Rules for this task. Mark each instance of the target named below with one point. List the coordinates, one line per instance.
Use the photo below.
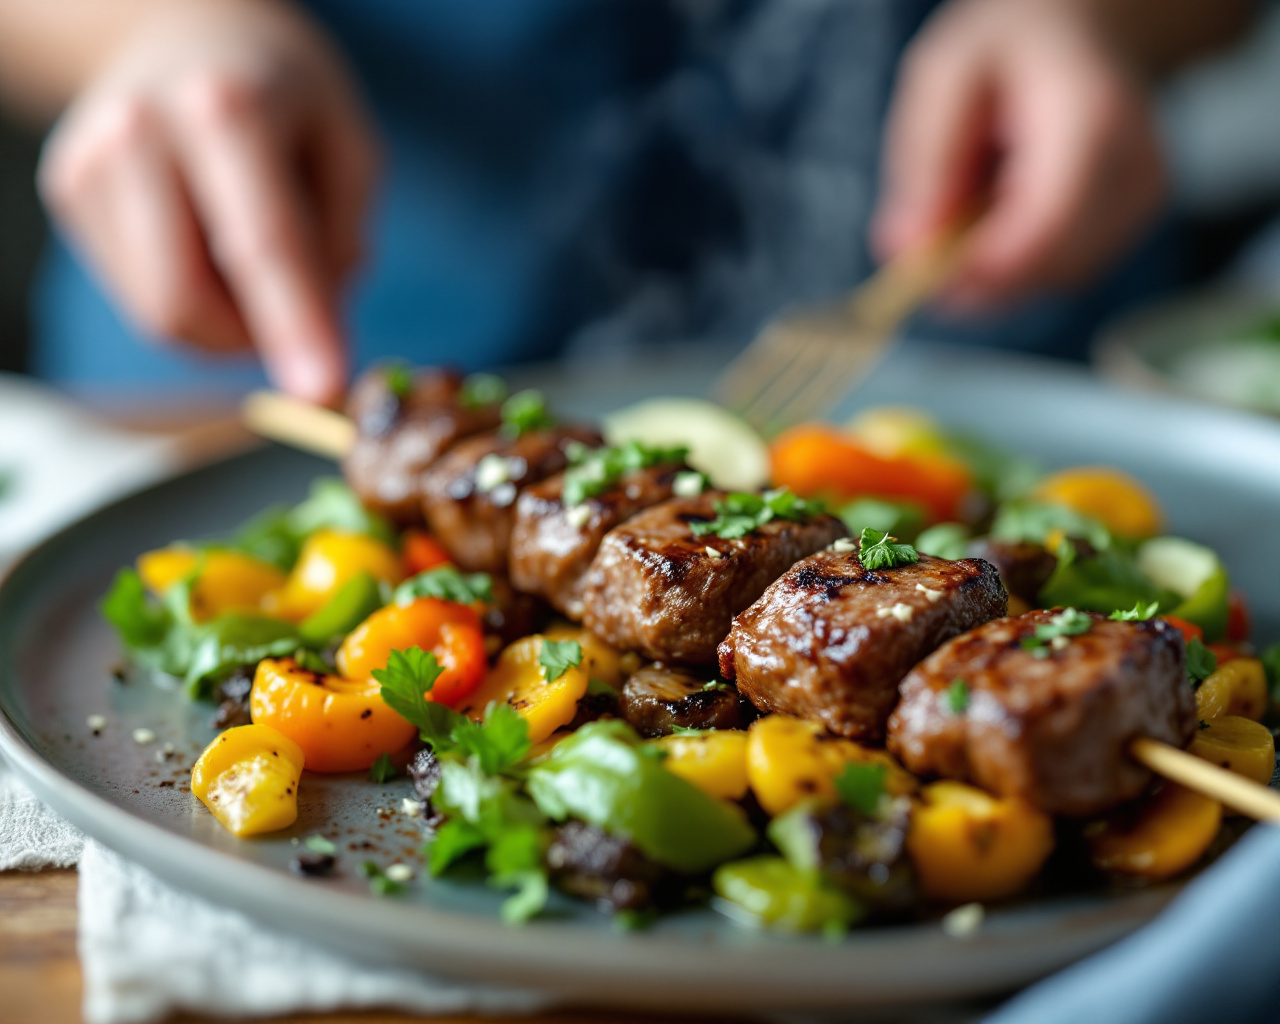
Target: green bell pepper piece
(1195, 573)
(354, 602)
(773, 893)
(605, 775)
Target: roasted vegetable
(658, 699)
(248, 778)
(1194, 573)
(520, 679)
(603, 774)
(790, 760)
(970, 846)
(1238, 687)
(1238, 744)
(1156, 838)
(329, 558)
(341, 725)
(771, 893)
(715, 762)
(1113, 498)
(353, 602)
(225, 581)
(602, 662)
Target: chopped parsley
(1201, 662)
(399, 379)
(946, 540)
(446, 583)
(958, 697)
(382, 770)
(596, 470)
(741, 512)
(861, 785)
(881, 551)
(558, 656)
(1138, 613)
(319, 844)
(379, 883)
(481, 389)
(1052, 635)
(525, 411)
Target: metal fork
(801, 365)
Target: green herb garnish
(958, 697)
(741, 512)
(946, 540)
(595, 471)
(1201, 662)
(861, 785)
(525, 411)
(447, 584)
(379, 883)
(880, 551)
(382, 770)
(1052, 635)
(558, 656)
(319, 844)
(1138, 613)
(481, 389)
(399, 379)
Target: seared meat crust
(1024, 567)
(552, 546)
(656, 588)
(658, 699)
(398, 438)
(1055, 730)
(830, 641)
(473, 519)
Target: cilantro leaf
(446, 583)
(740, 512)
(861, 785)
(498, 743)
(958, 696)
(1052, 635)
(1201, 662)
(382, 770)
(946, 540)
(529, 898)
(379, 883)
(480, 389)
(139, 621)
(525, 411)
(596, 470)
(454, 839)
(901, 518)
(557, 657)
(320, 844)
(879, 551)
(399, 379)
(333, 505)
(1138, 613)
(405, 681)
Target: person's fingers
(110, 178)
(261, 234)
(343, 162)
(937, 143)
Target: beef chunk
(659, 699)
(1024, 568)
(656, 588)
(552, 545)
(589, 863)
(1054, 729)
(398, 437)
(830, 640)
(469, 495)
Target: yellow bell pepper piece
(967, 845)
(1236, 687)
(1158, 838)
(605, 663)
(329, 558)
(715, 762)
(1117, 500)
(890, 431)
(518, 679)
(1238, 744)
(789, 760)
(248, 778)
(229, 581)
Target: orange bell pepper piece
(422, 552)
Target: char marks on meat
(471, 513)
(399, 437)
(1053, 729)
(658, 699)
(552, 545)
(830, 641)
(656, 588)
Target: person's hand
(1019, 107)
(216, 174)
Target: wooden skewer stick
(290, 421)
(1261, 803)
(280, 418)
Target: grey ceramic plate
(1218, 474)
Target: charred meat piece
(1051, 723)
(830, 640)
(658, 699)
(656, 588)
(587, 862)
(552, 544)
(1024, 567)
(399, 436)
(469, 495)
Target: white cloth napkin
(148, 950)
